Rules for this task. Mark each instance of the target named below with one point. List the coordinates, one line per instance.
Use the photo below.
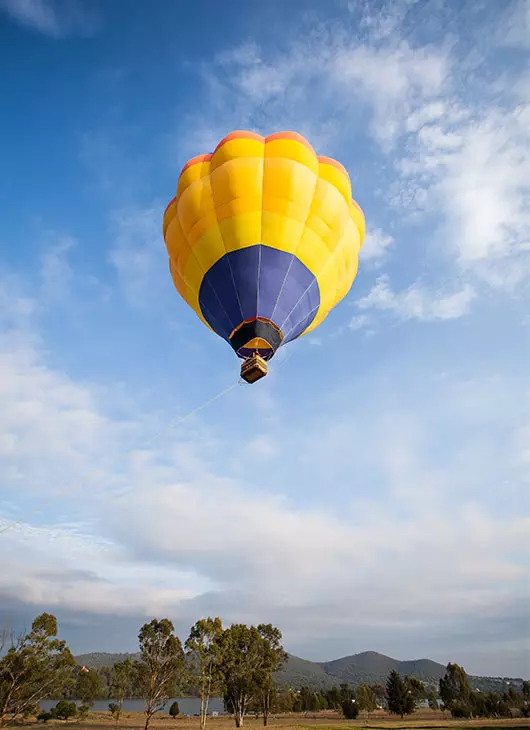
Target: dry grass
(326, 721)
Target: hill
(98, 659)
(369, 667)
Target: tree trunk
(205, 697)
(266, 707)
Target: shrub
(82, 712)
(350, 710)
(64, 710)
(174, 709)
(459, 711)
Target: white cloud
(56, 273)
(48, 420)
(55, 18)
(416, 302)
(262, 447)
(394, 80)
(139, 255)
(486, 191)
(514, 29)
(65, 568)
(359, 321)
(474, 176)
(375, 245)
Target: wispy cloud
(416, 302)
(56, 18)
(139, 255)
(56, 273)
(375, 247)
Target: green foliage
(161, 665)
(350, 710)
(333, 698)
(432, 700)
(174, 710)
(87, 686)
(64, 710)
(307, 700)
(400, 700)
(248, 657)
(366, 700)
(37, 666)
(44, 716)
(417, 689)
(272, 658)
(455, 691)
(203, 648)
(121, 680)
(82, 712)
(379, 691)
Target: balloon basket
(254, 368)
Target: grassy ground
(326, 721)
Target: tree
(273, 657)
(417, 689)
(203, 648)
(174, 710)
(379, 691)
(350, 709)
(161, 665)
(247, 657)
(455, 690)
(366, 700)
(333, 698)
(398, 695)
(432, 700)
(38, 665)
(282, 699)
(64, 710)
(87, 686)
(307, 701)
(120, 684)
(348, 702)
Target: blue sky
(371, 492)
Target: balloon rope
(116, 461)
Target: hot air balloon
(263, 238)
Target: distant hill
(368, 667)
(98, 659)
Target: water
(187, 705)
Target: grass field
(326, 721)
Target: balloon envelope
(263, 238)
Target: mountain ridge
(368, 667)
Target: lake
(187, 705)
